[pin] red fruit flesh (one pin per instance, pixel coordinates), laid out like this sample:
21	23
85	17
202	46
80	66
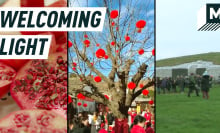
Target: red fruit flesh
15	63
32	3
7	74
42	84
33	121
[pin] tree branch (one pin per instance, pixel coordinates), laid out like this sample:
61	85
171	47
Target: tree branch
97	97
150	83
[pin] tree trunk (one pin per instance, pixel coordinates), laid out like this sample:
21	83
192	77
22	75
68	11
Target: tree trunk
121	125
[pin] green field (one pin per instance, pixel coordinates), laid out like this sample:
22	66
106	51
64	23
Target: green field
213	57
176	113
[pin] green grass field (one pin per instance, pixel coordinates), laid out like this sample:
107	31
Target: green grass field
176	113
213	57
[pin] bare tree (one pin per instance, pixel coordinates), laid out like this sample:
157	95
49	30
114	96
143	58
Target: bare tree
120	57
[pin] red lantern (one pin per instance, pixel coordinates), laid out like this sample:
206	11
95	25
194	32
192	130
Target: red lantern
74	69
113	43
151	102
80	96
141	24
74	64
106	57
131	85
84	105
70	44
69	99
113	23
141	51
98	79
79	103
117	28
141	85
100	53
114	14
106	96
145	92
86	42
127	38
85	36
116	51
153	52
92	64
97	44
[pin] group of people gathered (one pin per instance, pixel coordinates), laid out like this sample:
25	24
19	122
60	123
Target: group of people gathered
142	122
85	122
193	82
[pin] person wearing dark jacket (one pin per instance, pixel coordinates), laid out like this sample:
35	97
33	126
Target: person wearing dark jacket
192	85
205	85
83	126
110	118
163	85
174	83
169	84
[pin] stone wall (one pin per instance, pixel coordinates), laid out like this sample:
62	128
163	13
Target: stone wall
192	67
163	72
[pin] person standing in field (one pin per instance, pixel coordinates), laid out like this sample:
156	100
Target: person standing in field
181	83
158	83
192	85
174	83
163	84
169	84
205	85
198	80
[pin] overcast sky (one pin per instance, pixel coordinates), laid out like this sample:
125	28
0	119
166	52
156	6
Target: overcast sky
176	29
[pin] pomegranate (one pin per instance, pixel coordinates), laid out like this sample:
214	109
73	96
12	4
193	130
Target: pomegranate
33	121
14	63
42	84
7	74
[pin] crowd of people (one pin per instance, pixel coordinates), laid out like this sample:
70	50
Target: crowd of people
193	82
85	122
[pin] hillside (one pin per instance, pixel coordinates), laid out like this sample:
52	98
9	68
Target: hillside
213	57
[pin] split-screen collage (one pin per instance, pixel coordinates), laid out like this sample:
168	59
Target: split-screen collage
109	66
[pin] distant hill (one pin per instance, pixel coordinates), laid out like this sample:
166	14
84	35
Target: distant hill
213	57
